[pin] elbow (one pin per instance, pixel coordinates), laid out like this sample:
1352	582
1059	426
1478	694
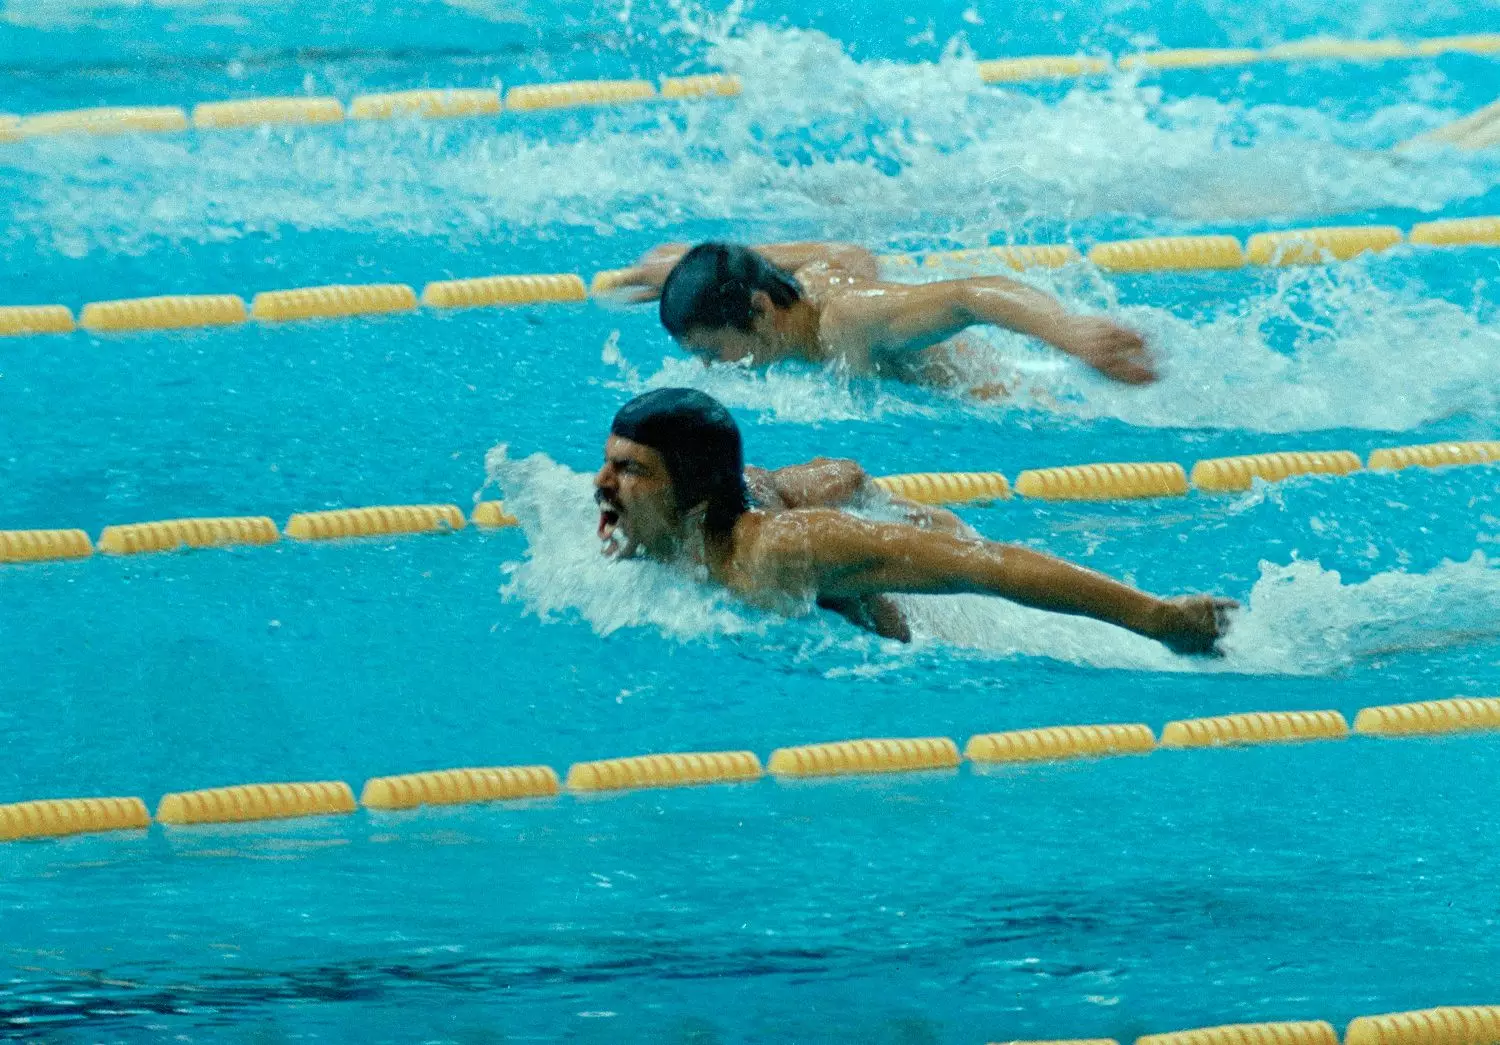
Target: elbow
858	260
968	305
846	476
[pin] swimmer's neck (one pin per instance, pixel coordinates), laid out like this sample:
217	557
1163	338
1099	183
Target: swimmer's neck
797	328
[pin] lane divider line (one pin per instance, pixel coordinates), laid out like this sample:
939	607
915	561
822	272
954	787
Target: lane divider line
1314	246
247	802
1456	232
1312	1032
1310	246
492	514
446	103
375	521
169	312
459	786
44	545
426	104
946	487
1055	743
1259	727
57	817
574	93
1169	252
108	119
1073	483
705	85
174	534
1430	717
852	757
334	301
1449	1025
252	112
674	770
1104	482
504	290
22	320
1234	474
1435	455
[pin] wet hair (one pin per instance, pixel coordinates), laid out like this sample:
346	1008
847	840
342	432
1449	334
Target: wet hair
712	285
700	445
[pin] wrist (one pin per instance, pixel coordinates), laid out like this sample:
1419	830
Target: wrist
1156	618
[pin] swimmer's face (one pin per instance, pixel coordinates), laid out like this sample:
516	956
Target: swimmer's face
637	507
761	344
728	345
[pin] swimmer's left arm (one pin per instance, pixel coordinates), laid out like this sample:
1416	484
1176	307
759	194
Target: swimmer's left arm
827	482
897	319
839	556
823	482
648	275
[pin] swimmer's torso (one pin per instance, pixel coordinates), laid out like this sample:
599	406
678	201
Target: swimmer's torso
843	303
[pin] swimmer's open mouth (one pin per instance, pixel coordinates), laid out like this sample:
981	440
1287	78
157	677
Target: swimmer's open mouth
609	518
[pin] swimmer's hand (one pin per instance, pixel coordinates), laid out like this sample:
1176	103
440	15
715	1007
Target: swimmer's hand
643	281
1116	352
1193	623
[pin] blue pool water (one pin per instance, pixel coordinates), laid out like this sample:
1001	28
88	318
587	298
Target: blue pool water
1101	899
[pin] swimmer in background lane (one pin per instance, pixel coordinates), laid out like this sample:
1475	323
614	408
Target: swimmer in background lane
1478	130
673	488
823	302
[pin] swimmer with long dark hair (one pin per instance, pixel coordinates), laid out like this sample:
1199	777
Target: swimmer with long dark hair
673	488
824	302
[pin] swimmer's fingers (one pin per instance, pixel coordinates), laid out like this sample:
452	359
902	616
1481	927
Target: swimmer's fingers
1194	624
1116	352
625	292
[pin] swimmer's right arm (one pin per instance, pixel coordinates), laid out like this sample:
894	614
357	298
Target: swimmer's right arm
839	556
646	277
901	319
846	257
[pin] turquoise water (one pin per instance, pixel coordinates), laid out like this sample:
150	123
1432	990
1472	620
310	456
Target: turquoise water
1110	899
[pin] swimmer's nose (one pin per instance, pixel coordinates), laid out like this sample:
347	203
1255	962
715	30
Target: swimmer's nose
604	479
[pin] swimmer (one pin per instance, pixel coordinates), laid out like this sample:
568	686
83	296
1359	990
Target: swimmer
1478	130
673	488
824	302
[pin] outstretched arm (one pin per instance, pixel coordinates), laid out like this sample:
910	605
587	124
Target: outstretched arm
643	281
1478	130
900	318
837	555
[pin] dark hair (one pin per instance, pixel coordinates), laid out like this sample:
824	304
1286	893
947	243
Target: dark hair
700	445
711	287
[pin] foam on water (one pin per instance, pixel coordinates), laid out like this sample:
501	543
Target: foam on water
1327	348
1297	619
870	150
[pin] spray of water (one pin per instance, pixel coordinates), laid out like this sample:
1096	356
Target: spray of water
867	149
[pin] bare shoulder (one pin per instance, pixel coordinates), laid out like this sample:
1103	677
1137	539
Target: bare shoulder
801	538
775	540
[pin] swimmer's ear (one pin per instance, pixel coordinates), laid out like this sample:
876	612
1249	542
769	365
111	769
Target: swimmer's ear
762	308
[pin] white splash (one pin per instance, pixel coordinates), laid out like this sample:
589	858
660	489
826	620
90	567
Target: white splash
873	150
1298	618
564	571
